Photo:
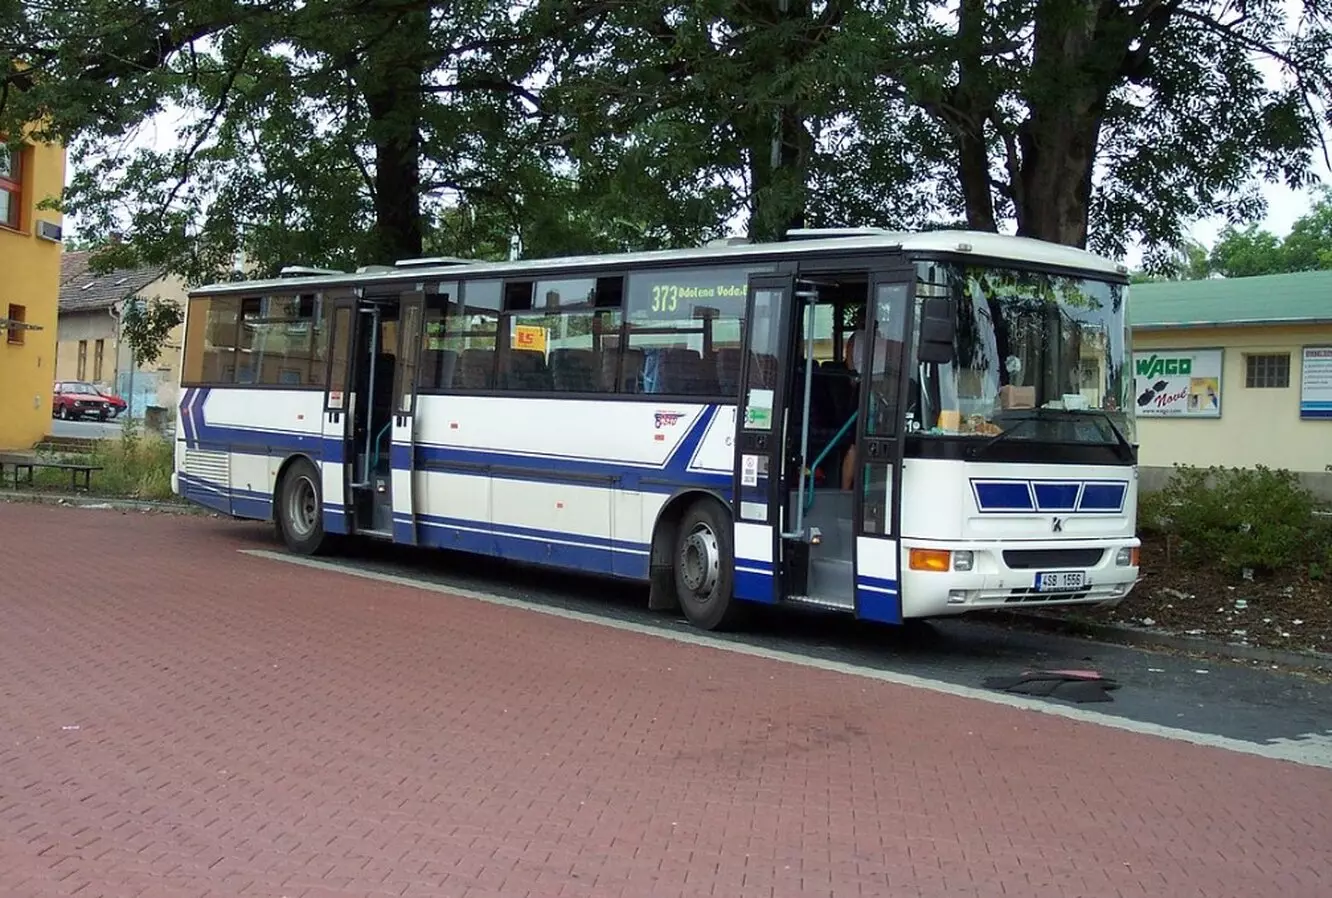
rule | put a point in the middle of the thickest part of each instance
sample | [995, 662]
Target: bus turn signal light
[930, 560]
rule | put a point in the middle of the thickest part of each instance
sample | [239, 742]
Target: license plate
[1060, 581]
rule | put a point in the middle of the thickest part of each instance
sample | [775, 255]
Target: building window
[17, 315]
[11, 188]
[83, 359]
[97, 360]
[1267, 371]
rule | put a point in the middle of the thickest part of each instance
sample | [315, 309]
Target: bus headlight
[1127, 557]
[963, 561]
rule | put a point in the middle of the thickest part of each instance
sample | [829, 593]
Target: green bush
[1237, 518]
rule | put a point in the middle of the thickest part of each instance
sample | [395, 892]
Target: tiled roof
[1300, 298]
[84, 291]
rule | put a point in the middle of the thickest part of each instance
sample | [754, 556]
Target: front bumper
[1004, 575]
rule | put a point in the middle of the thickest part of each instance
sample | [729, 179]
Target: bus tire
[704, 567]
[300, 509]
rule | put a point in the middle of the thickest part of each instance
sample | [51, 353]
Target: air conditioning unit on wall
[49, 230]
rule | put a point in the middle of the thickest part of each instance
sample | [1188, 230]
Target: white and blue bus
[899, 425]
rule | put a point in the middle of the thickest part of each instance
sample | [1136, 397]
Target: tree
[1079, 122]
[321, 133]
[1253, 251]
[145, 325]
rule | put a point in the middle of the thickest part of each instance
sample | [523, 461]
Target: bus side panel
[203, 473]
[574, 483]
[236, 440]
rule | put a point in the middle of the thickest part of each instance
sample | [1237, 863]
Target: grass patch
[136, 466]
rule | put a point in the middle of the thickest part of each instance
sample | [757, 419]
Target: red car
[75, 399]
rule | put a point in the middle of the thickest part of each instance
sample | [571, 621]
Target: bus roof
[980, 244]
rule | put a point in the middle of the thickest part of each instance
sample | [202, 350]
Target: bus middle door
[760, 427]
[337, 452]
[402, 446]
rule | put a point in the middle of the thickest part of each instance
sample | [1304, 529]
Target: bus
[894, 425]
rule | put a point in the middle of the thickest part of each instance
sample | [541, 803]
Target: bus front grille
[1052, 559]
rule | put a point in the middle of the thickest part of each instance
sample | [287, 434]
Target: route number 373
[665, 297]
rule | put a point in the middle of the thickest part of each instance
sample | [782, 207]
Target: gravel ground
[1288, 611]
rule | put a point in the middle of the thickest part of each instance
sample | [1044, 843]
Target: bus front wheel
[704, 565]
[300, 510]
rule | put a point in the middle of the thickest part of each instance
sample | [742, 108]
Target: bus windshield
[1039, 357]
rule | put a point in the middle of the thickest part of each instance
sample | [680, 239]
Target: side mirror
[938, 329]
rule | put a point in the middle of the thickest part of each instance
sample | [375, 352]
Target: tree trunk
[394, 71]
[779, 174]
[780, 146]
[1052, 193]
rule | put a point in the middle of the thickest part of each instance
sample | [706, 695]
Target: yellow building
[29, 290]
[1235, 373]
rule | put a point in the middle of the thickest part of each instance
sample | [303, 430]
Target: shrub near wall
[1239, 519]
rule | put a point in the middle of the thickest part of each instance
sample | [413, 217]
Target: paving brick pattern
[178, 719]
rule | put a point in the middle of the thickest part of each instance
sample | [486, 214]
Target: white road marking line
[1309, 749]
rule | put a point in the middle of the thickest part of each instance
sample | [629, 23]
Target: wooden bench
[30, 463]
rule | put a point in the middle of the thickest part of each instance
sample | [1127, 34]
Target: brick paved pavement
[177, 719]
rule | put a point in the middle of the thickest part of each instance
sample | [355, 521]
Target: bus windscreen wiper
[1122, 440]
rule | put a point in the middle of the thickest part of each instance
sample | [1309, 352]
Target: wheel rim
[303, 507]
[700, 561]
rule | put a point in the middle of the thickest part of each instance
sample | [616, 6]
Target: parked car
[116, 403]
[74, 399]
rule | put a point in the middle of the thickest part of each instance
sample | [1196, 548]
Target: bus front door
[759, 432]
[402, 451]
[884, 378]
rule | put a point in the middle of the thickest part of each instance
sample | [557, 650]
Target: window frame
[16, 313]
[1259, 370]
[324, 301]
[12, 185]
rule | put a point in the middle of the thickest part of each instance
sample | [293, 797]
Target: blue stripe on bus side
[589, 554]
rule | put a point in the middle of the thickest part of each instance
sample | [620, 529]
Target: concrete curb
[85, 500]
[1124, 635]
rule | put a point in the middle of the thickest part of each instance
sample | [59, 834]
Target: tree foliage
[1253, 251]
[145, 326]
[346, 132]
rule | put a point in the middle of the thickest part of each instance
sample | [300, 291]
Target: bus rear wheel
[300, 509]
[704, 564]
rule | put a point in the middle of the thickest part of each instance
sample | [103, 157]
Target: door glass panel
[885, 362]
[409, 345]
[340, 355]
[761, 362]
[878, 481]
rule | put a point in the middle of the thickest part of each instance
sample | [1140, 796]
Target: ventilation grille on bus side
[206, 465]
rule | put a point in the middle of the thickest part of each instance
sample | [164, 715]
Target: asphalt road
[1256, 704]
[87, 429]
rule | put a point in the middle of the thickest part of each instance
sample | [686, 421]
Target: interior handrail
[809, 497]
